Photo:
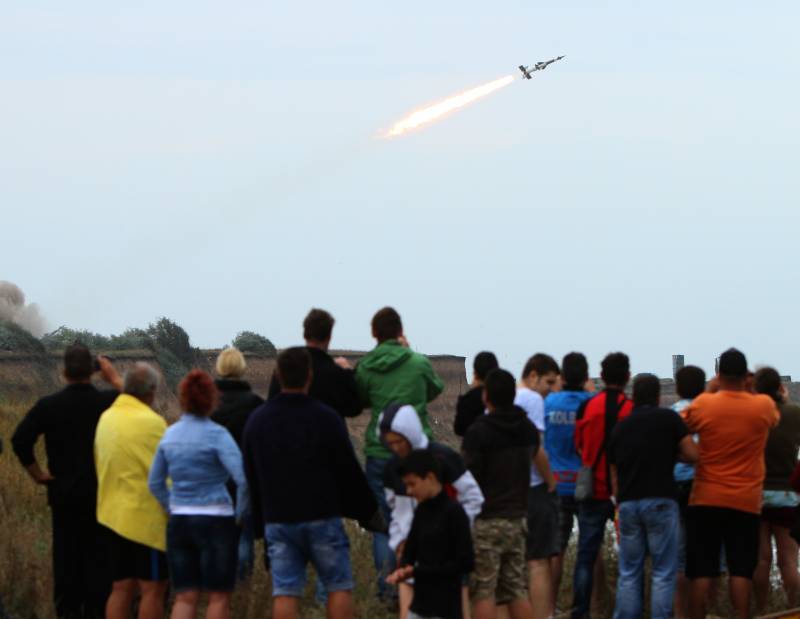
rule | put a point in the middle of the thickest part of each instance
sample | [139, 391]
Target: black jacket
[498, 450]
[330, 384]
[301, 466]
[470, 406]
[439, 546]
[68, 420]
[237, 401]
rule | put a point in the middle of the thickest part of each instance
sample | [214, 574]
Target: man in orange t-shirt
[733, 425]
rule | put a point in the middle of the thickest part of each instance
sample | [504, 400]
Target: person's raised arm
[109, 372]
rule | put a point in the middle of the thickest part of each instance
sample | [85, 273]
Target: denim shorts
[291, 546]
[202, 552]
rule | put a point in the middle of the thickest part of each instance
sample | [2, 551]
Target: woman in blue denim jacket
[199, 457]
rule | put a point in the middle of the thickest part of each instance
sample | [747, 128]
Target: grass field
[25, 568]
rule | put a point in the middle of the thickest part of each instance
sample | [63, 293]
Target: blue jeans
[381, 553]
[291, 547]
[592, 518]
[647, 526]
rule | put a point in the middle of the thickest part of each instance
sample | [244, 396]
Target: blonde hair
[231, 363]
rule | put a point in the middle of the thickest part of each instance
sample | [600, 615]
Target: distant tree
[170, 336]
[15, 338]
[248, 341]
[132, 339]
[63, 337]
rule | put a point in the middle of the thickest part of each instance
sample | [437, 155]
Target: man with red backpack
[594, 425]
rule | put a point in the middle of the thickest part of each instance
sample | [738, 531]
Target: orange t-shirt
[733, 427]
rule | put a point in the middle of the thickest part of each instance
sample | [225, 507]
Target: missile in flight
[539, 66]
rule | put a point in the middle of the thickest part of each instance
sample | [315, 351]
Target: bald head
[141, 382]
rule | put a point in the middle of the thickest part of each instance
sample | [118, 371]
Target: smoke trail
[13, 308]
[433, 112]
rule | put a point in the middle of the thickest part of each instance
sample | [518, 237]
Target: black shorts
[130, 560]
[709, 529]
[543, 539]
[202, 552]
[567, 515]
[779, 516]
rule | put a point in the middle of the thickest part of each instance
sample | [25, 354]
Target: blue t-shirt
[560, 411]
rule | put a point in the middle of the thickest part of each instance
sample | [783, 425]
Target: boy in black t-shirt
[642, 453]
[438, 551]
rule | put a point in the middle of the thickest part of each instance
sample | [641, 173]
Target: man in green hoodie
[391, 372]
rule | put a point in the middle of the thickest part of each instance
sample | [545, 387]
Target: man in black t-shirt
[333, 380]
[68, 420]
[642, 454]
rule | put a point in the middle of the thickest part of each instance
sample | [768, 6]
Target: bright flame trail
[437, 110]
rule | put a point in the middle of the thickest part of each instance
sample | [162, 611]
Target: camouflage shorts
[500, 568]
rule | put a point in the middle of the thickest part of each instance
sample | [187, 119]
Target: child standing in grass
[438, 551]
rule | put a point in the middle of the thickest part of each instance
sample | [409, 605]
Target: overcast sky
[218, 164]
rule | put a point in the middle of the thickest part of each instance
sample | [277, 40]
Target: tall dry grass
[25, 564]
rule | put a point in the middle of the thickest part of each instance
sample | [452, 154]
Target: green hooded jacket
[393, 373]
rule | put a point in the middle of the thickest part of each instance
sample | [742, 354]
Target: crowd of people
[140, 509]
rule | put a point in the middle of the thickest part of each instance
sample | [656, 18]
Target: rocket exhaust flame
[435, 111]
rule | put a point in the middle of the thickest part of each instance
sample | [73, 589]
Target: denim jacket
[199, 456]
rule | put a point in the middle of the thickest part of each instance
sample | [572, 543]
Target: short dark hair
[386, 324]
[690, 382]
[420, 462]
[733, 364]
[575, 369]
[294, 367]
[78, 362]
[318, 325]
[646, 390]
[541, 364]
[768, 381]
[615, 369]
[484, 363]
[198, 393]
[500, 388]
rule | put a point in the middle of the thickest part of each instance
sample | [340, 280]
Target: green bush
[15, 338]
[63, 337]
[248, 341]
[169, 336]
[132, 339]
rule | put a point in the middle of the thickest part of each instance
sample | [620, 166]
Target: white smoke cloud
[14, 309]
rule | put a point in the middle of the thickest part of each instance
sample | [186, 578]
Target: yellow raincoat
[125, 444]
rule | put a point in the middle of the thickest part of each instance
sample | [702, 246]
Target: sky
[220, 164]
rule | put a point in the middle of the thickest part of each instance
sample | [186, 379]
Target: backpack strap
[612, 410]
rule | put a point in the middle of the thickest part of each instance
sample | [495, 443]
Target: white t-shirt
[533, 405]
